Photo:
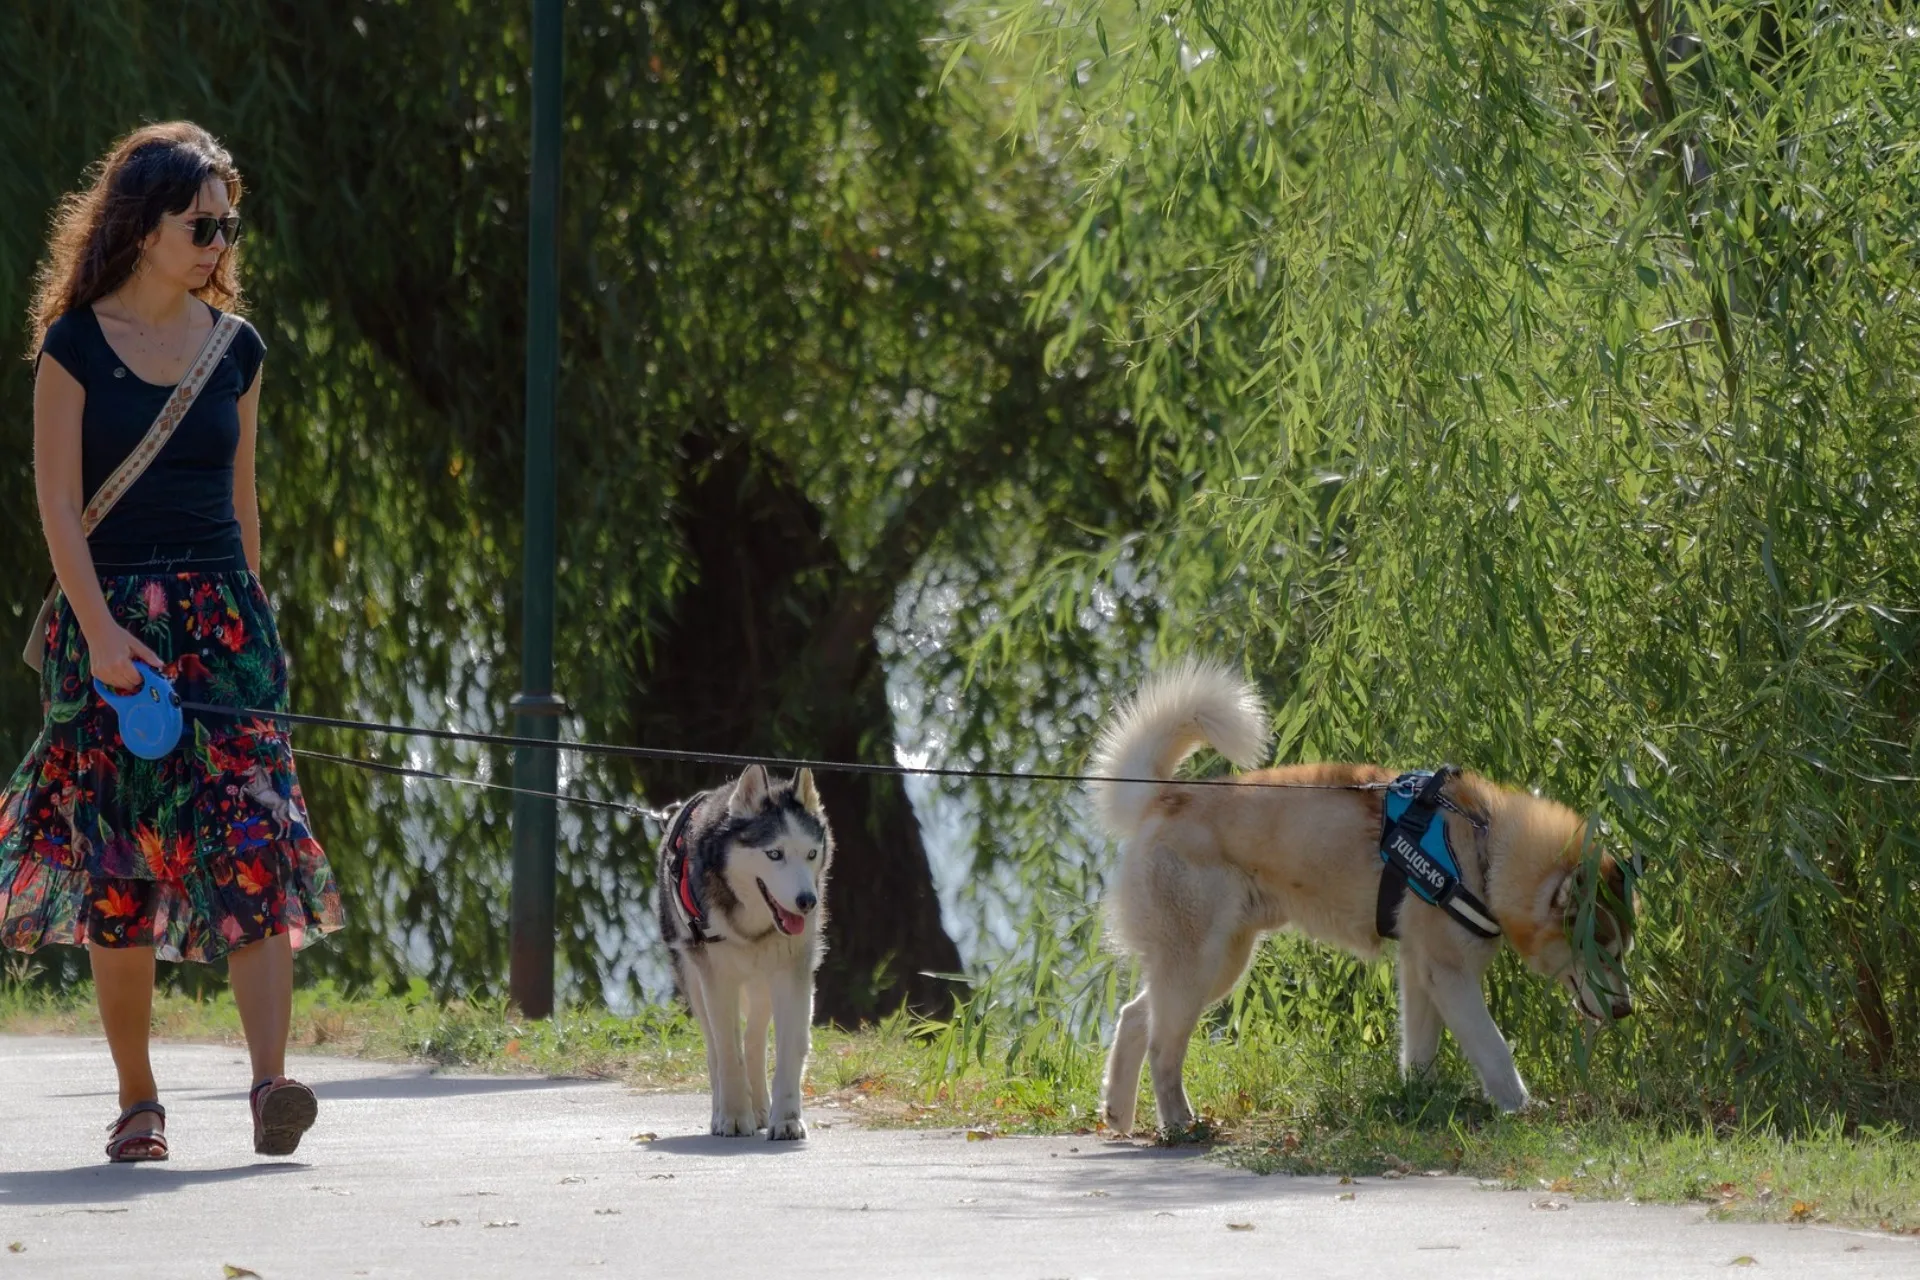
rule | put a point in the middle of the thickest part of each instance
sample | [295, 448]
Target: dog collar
[1416, 852]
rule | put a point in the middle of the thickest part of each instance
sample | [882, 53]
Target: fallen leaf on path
[659, 1177]
[232, 1272]
[570, 1179]
[1551, 1204]
[605, 1213]
[1802, 1210]
[1744, 1260]
[1100, 1194]
[503, 1222]
[440, 1222]
[1344, 1195]
[646, 1137]
[18, 1246]
[1239, 1226]
[979, 1135]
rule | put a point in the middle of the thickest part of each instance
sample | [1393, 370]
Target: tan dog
[1206, 870]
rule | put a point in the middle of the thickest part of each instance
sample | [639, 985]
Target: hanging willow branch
[1663, 98]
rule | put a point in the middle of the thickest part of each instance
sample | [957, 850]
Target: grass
[1267, 1109]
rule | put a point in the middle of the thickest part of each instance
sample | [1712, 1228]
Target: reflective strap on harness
[1433, 873]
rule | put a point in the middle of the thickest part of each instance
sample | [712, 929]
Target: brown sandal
[283, 1111]
[137, 1148]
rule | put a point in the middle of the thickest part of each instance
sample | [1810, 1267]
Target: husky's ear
[809, 795]
[749, 794]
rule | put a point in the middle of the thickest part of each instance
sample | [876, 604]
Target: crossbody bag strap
[136, 463]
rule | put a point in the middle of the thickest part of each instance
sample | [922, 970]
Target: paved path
[420, 1175]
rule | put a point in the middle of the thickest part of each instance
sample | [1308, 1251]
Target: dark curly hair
[97, 233]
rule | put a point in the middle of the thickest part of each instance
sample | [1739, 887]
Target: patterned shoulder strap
[161, 431]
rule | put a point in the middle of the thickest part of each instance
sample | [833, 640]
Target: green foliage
[1522, 392]
[795, 362]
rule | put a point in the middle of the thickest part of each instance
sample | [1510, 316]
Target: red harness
[682, 866]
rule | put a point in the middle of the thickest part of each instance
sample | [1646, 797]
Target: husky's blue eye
[812, 854]
[774, 855]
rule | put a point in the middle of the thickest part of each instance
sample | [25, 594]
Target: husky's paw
[736, 1125]
[787, 1130]
[1196, 1129]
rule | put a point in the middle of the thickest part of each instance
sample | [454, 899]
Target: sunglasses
[206, 227]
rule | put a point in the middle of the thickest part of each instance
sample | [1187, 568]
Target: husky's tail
[1197, 703]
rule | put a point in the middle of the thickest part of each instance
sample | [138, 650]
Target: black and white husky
[742, 902]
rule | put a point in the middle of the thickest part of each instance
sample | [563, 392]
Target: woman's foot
[283, 1111]
[139, 1136]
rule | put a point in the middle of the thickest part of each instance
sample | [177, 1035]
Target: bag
[134, 466]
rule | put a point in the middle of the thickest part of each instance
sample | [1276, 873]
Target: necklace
[152, 345]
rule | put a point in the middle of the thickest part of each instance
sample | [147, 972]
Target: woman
[204, 854]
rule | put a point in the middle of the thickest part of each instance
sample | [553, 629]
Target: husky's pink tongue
[789, 922]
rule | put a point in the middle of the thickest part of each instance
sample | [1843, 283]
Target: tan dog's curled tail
[1197, 703]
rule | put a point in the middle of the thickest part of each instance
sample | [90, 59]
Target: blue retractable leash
[149, 716]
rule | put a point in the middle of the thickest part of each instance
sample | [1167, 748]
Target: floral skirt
[195, 854]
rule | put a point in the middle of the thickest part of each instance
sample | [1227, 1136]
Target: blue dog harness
[1416, 851]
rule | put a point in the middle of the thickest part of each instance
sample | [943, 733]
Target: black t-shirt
[180, 511]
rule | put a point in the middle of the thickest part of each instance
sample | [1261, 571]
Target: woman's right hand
[112, 656]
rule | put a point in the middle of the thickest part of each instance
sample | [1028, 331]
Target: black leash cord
[661, 816]
[712, 757]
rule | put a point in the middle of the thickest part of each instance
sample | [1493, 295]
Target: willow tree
[1533, 386]
[796, 368]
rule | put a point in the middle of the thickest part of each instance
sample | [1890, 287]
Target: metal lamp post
[536, 708]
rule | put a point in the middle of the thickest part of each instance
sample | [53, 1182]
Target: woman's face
[169, 252]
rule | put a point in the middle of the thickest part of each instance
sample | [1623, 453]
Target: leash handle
[149, 716]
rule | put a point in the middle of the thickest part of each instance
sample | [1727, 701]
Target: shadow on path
[107, 1183]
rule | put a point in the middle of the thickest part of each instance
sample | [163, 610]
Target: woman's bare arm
[58, 400]
[246, 495]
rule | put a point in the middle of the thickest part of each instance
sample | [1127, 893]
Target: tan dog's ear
[1566, 893]
[749, 793]
[808, 793]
